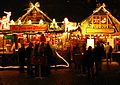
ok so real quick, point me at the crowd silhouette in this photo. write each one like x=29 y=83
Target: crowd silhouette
x=86 y=61
x=38 y=57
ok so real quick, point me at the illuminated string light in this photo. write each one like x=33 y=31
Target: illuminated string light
x=62 y=59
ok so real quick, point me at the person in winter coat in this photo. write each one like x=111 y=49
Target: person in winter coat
x=90 y=62
x=22 y=55
x=98 y=58
x=29 y=55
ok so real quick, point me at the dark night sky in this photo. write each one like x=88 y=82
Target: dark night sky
x=75 y=10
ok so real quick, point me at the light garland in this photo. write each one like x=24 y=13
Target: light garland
x=62 y=59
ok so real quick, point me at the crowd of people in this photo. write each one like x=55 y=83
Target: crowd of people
x=88 y=61
x=38 y=56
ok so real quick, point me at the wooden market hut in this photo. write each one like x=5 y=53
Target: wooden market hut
x=33 y=20
x=101 y=23
x=32 y=23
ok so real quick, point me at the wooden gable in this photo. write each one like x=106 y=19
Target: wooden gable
x=101 y=21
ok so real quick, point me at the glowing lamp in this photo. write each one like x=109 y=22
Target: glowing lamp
x=54 y=21
x=41 y=22
x=29 y=22
x=94 y=34
x=24 y=36
x=12 y=22
x=1 y=35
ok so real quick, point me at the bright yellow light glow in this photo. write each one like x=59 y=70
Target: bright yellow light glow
x=29 y=22
x=90 y=42
x=41 y=22
x=19 y=22
x=24 y=36
x=1 y=35
x=12 y=22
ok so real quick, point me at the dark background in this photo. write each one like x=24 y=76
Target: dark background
x=75 y=10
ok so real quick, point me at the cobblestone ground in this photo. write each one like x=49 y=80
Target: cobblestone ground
x=110 y=75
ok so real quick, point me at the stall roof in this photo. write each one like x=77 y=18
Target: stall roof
x=33 y=9
x=101 y=10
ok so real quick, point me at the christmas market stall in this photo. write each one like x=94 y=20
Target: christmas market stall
x=33 y=23
x=103 y=27
x=28 y=28
x=100 y=26
x=60 y=32
x=35 y=26
x=6 y=39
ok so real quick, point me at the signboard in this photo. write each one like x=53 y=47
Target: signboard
x=90 y=42
x=33 y=27
x=99 y=30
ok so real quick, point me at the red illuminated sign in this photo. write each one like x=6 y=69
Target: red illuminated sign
x=29 y=27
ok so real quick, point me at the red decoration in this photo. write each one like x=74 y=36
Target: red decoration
x=29 y=27
x=42 y=38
